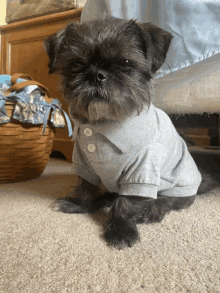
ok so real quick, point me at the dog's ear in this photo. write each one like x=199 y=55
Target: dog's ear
x=57 y=45
x=53 y=46
x=157 y=42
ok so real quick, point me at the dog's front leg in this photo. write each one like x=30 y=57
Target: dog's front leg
x=127 y=211
x=121 y=229
x=81 y=199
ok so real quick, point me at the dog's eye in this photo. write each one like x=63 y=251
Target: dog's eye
x=75 y=67
x=127 y=64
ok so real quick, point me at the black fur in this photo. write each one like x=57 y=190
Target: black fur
x=107 y=66
x=110 y=59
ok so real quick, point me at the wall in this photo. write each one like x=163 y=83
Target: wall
x=2 y=12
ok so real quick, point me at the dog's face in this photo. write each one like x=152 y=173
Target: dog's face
x=107 y=65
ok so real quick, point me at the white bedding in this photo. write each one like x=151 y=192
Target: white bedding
x=194 y=89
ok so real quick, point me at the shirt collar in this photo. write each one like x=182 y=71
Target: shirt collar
x=129 y=133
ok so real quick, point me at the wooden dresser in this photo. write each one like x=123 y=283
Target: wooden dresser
x=22 y=51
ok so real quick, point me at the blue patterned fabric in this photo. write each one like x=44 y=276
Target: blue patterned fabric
x=195 y=25
x=31 y=106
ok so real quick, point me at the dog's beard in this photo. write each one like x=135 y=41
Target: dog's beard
x=99 y=110
x=96 y=111
x=111 y=101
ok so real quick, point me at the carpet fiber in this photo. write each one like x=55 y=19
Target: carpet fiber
x=46 y=251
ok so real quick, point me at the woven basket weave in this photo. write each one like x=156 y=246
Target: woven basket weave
x=24 y=152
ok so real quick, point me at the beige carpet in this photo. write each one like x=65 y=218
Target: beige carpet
x=45 y=251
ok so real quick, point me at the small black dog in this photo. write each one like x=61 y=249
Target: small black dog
x=121 y=139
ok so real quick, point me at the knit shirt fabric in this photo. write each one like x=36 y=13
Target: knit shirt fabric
x=141 y=156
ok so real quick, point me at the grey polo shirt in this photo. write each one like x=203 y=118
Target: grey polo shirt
x=141 y=156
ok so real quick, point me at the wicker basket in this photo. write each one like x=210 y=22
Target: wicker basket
x=24 y=152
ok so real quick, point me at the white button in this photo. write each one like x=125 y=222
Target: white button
x=88 y=132
x=91 y=148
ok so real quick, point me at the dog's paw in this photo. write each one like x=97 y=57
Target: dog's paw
x=121 y=234
x=69 y=205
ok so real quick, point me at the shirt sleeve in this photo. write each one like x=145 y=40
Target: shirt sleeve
x=81 y=166
x=141 y=176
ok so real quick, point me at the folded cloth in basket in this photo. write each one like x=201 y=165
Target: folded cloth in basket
x=31 y=106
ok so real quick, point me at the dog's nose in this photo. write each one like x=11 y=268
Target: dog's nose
x=97 y=77
x=100 y=76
